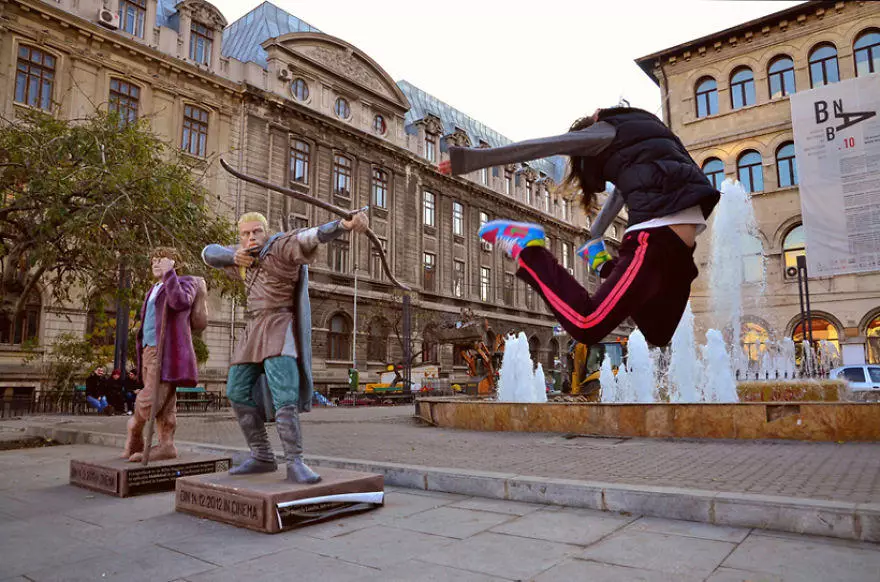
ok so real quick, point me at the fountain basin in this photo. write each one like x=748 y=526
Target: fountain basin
x=803 y=421
x=790 y=391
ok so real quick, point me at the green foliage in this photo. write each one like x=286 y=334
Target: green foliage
x=79 y=199
x=71 y=359
x=201 y=349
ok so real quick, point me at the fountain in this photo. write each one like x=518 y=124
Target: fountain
x=687 y=390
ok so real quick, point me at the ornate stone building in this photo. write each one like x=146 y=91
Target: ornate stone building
x=726 y=96
x=282 y=101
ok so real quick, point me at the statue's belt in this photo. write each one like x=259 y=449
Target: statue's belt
x=253 y=313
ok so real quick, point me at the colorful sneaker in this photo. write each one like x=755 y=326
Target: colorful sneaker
x=511 y=236
x=594 y=253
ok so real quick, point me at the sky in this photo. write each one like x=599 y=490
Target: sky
x=525 y=69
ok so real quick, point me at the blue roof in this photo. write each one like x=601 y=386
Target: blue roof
x=423 y=104
x=242 y=38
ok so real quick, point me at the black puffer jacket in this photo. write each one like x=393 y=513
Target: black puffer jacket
x=651 y=167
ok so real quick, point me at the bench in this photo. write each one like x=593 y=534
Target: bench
x=194 y=396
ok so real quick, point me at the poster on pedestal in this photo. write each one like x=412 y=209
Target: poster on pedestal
x=837 y=148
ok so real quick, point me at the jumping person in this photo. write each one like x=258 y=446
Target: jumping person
x=668 y=199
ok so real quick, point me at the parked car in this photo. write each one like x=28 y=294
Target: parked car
x=863 y=379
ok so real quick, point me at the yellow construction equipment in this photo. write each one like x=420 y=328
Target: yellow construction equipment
x=587 y=361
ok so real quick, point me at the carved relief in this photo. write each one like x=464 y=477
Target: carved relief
x=203 y=12
x=458 y=138
x=345 y=64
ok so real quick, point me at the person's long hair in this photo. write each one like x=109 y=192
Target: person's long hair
x=584 y=171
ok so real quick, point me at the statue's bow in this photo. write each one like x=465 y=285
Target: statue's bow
x=347 y=214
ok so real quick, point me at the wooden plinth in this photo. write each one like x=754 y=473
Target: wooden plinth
x=268 y=503
x=123 y=479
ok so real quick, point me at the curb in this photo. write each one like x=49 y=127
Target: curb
x=836 y=519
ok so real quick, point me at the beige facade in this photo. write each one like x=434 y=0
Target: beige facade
x=724 y=128
x=314 y=109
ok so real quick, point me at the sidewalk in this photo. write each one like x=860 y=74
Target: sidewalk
x=830 y=489
x=50 y=530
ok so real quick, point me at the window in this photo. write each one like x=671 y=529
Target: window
x=781 y=74
x=714 y=170
x=337 y=255
x=566 y=258
x=530 y=298
x=379 y=125
x=341 y=176
x=508 y=183
x=822 y=330
x=195 y=130
x=707 y=97
x=377 y=346
x=430 y=351
x=429 y=266
x=124 y=99
x=546 y=197
x=529 y=192
x=430 y=147
x=201 y=41
x=458 y=278
x=750 y=172
x=132 y=14
x=339 y=346
x=752 y=259
x=299 y=162
x=342 y=108
x=793 y=246
x=867 y=53
x=507 y=291
x=380 y=188
x=566 y=209
x=872 y=333
x=376 y=260
x=853 y=374
x=486 y=246
x=429 y=205
x=26 y=326
x=742 y=88
x=484 y=176
x=754 y=336
x=874 y=372
x=786 y=166
x=823 y=66
x=485 y=284
x=457 y=219
x=300 y=89
x=34 y=78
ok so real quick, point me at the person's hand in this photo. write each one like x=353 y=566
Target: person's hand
x=138 y=391
x=445 y=167
x=165 y=264
x=358 y=223
x=243 y=258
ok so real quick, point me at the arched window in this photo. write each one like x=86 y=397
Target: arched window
x=379 y=125
x=25 y=327
x=300 y=89
x=339 y=344
x=753 y=260
x=714 y=170
x=377 y=344
x=552 y=354
x=753 y=335
x=867 y=52
x=793 y=246
x=342 y=108
x=786 y=166
x=707 y=97
x=533 y=349
x=742 y=88
x=749 y=170
x=781 y=76
x=823 y=65
x=822 y=329
x=430 y=347
x=872 y=332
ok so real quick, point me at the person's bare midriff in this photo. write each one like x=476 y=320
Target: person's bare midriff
x=686 y=232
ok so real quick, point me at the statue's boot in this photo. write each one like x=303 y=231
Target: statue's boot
x=262 y=459
x=287 y=422
x=134 y=440
x=165 y=432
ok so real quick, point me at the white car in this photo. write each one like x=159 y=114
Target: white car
x=863 y=378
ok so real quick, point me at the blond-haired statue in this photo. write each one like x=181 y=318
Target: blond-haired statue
x=277 y=340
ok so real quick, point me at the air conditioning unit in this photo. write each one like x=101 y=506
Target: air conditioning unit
x=108 y=18
x=284 y=74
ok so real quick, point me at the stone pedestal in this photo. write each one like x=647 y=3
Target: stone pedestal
x=268 y=503
x=121 y=478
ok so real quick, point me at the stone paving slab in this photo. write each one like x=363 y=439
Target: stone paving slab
x=73 y=534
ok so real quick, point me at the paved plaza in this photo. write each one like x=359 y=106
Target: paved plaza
x=50 y=530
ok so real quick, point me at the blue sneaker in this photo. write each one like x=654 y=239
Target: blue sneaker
x=594 y=253
x=511 y=236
